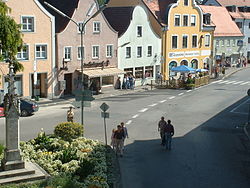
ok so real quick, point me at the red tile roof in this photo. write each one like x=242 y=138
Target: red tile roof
x=225 y=26
x=234 y=2
x=240 y=15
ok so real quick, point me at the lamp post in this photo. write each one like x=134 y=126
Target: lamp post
x=81 y=27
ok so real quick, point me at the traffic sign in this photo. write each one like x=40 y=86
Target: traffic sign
x=104 y=107
x=105 y=114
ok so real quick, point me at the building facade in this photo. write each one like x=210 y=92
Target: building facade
x=139 y=47
x=228 y=39
x=99 y=48
x=188 y=37
x=38 y=55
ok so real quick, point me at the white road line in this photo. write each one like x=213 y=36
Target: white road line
x=238 y=82
x=143 y=110
x=244 y=83
x=223 y=82
x=180 y=94
x=216 y=81
x=153 y=104
x=162 y=101
x=239 y=106
x=128 y=122
x=230 y=82
x=188 y=91
x=172 y=97
x=135 y=116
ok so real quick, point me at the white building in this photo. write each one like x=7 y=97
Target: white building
x=139 y=47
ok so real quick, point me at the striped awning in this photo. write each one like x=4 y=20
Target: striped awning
x=93 y=73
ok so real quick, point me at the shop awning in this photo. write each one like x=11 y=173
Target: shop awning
x=102 y=72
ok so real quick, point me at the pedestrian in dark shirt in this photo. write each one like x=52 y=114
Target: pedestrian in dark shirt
x=169 y=132
x=119 y=136
x=161 y=127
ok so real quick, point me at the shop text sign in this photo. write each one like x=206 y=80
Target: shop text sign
x=183 y=54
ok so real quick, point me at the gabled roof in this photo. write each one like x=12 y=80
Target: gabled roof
x=234 y=2
x=66 y=6
x=160 y=8
x=240 y=15
x=225 y=26
x=119 y=18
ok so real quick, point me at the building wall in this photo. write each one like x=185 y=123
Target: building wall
x=149 y=37
x=71 y=37
x=200 y=53
x=43 y=34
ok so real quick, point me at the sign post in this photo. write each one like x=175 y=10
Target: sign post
x=104 y=107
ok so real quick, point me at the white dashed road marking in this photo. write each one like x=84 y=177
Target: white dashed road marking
x=180 y=94
x=128 y=122
x=153 y=104
x=143 y=110
x=172 y=97
x=162 y=101
x=135 y=116
x=238 y=82
x=188 y=91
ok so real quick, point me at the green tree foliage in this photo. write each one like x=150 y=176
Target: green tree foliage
x=10 y=37
x=102 y=2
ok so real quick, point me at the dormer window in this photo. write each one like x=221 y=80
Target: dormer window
x=244 y=9
x=207 y=19
x=231 y=8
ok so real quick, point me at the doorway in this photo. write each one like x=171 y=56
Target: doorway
x=68 y=80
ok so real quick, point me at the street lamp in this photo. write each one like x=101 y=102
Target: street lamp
x=81 y=27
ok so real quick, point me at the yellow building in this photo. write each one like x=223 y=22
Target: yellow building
x=188 y=37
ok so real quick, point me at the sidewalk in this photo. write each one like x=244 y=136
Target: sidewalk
x=110 y=92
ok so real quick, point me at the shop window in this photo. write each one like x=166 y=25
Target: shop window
x=129 y=71
x=171 y=65
x=107 y=80
x=138 y=72
x=150 y=70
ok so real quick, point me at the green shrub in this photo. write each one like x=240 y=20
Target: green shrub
x=1 y=149
x=86 y=168
x=68 y=130
x=68 y=155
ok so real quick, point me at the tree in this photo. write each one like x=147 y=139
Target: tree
x=10 y=37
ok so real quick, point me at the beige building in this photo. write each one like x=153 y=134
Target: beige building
x=38 y=56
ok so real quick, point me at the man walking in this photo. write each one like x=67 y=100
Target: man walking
x=169 y=133
x=161 y=127
x=125 y=131
x=119 y=135
x=70 y=114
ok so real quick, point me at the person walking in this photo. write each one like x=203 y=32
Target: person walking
x=70 y=114
x=161 y=127
x=169 y=133
x=125 y=131
x=113 y=139
x=119 y=135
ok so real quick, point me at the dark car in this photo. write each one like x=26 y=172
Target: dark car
x=27 y=107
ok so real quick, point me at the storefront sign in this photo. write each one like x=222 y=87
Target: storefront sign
x=183 y=54
x=93 y=64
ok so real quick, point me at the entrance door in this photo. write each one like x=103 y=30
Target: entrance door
x=68 y=80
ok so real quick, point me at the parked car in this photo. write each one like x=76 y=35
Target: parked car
x=27 y=107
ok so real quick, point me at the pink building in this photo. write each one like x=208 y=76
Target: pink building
x=99 y=48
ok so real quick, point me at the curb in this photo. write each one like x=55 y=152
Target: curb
x=233 y=72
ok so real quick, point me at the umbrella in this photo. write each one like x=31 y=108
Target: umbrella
x=182 y=68
x=201 y=70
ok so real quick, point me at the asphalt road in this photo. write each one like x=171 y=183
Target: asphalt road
x=208 y=151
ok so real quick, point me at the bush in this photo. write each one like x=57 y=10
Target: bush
x=1 y=149
x=86 y=168
x=68 y=130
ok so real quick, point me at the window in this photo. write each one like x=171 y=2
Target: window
x=184 y=41
x=27 y=23
x=95 y=52
x=222 y=42
x=194 y=64
x=177 y=20
x=80 y=27
x=150 y=70
x=239 y=24
x=96 y=27
x=23 y=54
x=139 y=31
x=194 y=41
x=186 y=2
x=228 y=42
x=185 y=20
x=174 y=42
x=67 y=53
x=109 y=52
x=139 y=51
x=129 y=71
x=41 y=51
x=217 y=42
x=79 y=53
x=248 y=40
x=193 y=20
x=128 y=52
x=234 y=42
x=207 y=18
x=207 y=40
x=150 y=51
x=138 y=72
x=171 y=65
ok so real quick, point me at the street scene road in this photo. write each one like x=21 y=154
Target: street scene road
x=209 y=146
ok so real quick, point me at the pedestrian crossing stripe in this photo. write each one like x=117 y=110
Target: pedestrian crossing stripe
x=227 y=82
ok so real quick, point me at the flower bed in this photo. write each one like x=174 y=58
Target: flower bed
x=83 y=159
